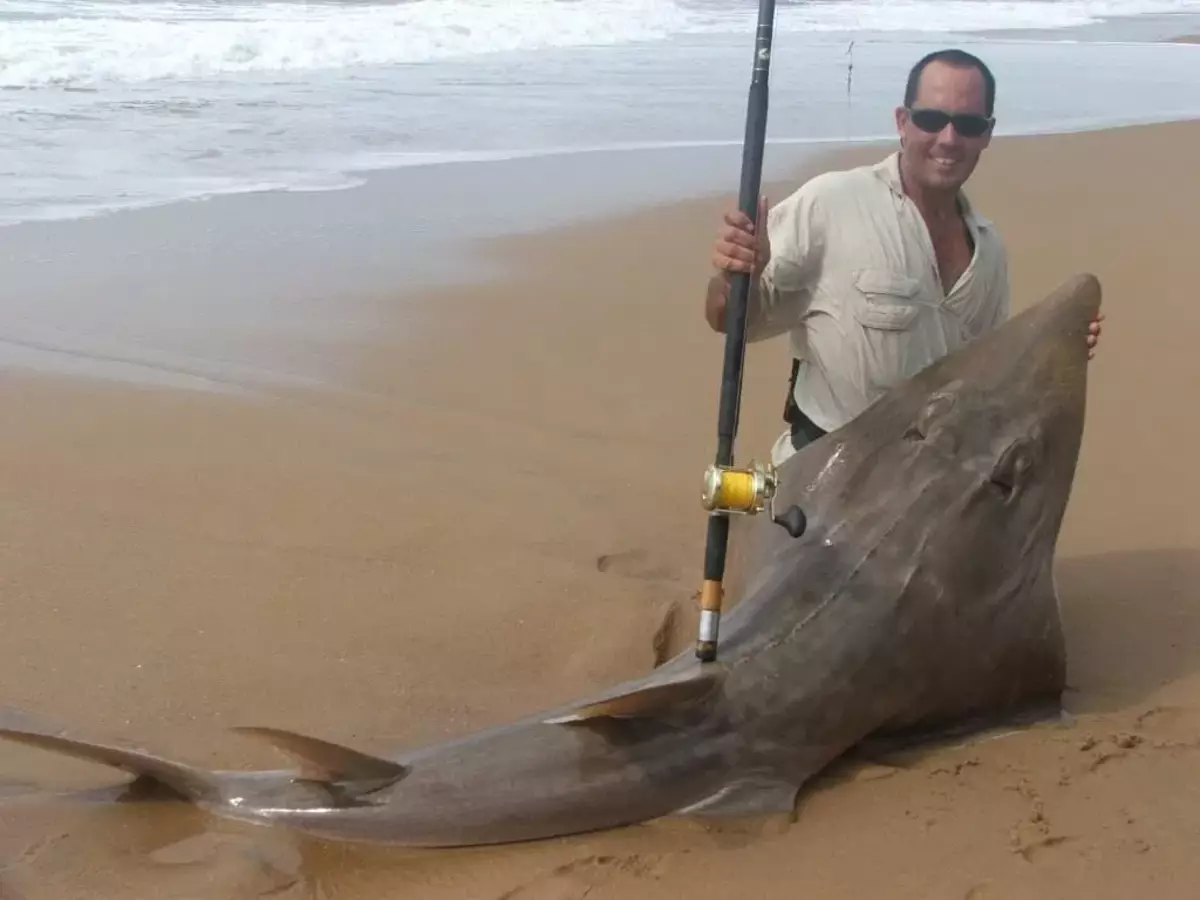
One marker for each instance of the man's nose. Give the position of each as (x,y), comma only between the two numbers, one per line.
(949,135)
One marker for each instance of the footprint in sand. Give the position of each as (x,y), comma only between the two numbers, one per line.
(634,564)
(1033,834)
(578,878)
(1100,752)
(677,623)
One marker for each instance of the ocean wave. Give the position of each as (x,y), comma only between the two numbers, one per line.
(80,42)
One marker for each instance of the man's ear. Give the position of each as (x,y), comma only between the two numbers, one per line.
(901,120)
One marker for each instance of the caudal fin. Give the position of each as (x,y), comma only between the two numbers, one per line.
(188,782)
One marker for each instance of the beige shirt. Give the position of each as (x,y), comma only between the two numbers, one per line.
(854,281)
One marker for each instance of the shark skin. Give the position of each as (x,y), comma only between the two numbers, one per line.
(920,596)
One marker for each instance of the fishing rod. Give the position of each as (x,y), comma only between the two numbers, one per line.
(728,490)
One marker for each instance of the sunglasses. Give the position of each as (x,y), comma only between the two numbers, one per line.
(934,120)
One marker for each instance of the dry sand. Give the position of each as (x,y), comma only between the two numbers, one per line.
(504,516)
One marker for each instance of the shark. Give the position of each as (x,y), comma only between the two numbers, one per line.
(920,596)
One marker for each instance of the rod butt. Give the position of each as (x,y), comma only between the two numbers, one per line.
(710,620)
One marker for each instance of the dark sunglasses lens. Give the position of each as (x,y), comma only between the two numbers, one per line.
(930,120)
(934,120)
(970,126)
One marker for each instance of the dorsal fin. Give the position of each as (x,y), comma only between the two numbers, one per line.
(332,764)
(644,701)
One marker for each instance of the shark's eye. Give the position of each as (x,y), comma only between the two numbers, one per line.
(929,416)
(1013,466)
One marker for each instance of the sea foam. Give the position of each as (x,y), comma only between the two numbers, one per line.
(87,42)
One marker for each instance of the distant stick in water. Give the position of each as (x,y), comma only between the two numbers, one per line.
(850,90)
(849,70)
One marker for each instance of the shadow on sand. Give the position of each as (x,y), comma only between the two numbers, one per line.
(1132,620)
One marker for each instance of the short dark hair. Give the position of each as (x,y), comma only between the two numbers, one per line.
(960,58)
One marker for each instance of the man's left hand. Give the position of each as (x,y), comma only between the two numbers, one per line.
(1093,337)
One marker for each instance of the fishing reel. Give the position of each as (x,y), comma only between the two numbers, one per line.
(749,491)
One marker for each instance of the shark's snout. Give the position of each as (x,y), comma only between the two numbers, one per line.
(1022,388)
(1043,349)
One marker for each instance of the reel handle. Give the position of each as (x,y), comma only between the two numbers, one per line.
(793,521)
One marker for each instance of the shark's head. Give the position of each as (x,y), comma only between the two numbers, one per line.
(922,590)
(990,434)
(965,469)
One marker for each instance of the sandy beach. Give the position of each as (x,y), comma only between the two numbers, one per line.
(504,513)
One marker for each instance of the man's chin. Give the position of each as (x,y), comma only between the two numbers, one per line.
(944,179)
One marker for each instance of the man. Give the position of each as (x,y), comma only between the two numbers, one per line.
(877,271)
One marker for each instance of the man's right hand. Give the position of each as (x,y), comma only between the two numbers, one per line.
(735,250)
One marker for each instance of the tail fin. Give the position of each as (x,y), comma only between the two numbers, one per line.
(189,783)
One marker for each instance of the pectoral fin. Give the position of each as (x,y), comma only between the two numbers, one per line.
(350,771)
(645,701)
(747,797)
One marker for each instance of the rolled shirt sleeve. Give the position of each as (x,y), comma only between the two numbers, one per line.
(785,288)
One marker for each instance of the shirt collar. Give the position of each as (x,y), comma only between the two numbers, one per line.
(888,171)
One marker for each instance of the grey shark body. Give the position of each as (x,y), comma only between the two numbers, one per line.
(920,596)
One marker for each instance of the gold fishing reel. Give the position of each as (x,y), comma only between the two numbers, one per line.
(748,491)
(744,491)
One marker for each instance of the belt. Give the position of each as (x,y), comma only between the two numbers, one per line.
(804,430)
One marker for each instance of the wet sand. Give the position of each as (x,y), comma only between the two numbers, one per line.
(502,512)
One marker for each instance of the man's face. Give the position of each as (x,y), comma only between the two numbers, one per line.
(944,158)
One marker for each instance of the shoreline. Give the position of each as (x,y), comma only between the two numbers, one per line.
(147,141)
(278,291)
(789,151)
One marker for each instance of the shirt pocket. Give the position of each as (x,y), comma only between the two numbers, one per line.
(888,310)
(886,301)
